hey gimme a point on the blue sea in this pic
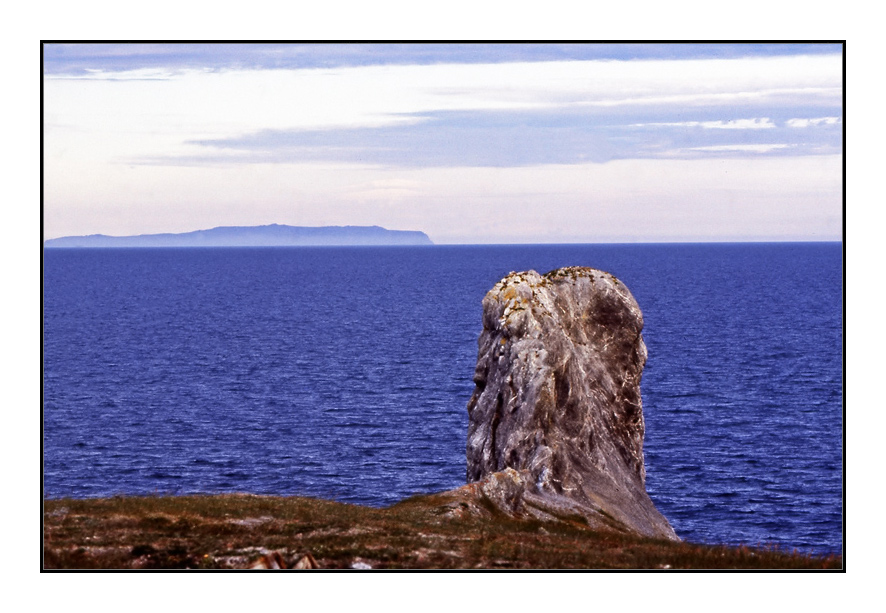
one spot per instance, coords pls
(344, 373)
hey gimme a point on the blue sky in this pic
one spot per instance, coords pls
(469, 143)
(74, 59)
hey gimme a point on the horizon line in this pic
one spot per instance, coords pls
(674, 242)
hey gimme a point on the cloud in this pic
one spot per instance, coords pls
(385, 190)
(514, 138)
(497, 115)
(513, 114)
(818, 121)
(317, 97)
(755, 148)
(140, 74)
(733, 124)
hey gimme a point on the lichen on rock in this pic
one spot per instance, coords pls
(556, 420)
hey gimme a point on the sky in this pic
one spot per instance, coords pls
(489, 143)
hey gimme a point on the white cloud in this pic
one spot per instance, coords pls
(734, 124)
(752, 148)
(150, 117)
(141, 74)
(818, 121)
(386, 190)
(200, 104)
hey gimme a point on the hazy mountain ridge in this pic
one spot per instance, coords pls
(274, 235)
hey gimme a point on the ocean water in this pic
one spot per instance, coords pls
(345, 372)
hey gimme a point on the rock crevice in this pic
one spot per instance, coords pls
(556, 421)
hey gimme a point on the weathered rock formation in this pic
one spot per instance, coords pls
(556, 420)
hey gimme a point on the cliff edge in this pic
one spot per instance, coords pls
(556, 420)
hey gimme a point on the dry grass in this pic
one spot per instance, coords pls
(233, 531)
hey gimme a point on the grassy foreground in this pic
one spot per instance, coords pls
(236, 531)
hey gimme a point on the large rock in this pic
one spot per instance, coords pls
(556, 420)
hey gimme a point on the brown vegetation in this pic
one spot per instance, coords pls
(239, 531)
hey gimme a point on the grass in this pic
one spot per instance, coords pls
(233, 531)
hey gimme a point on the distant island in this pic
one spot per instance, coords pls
(274, 235)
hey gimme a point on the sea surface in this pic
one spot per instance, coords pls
(344, 373)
